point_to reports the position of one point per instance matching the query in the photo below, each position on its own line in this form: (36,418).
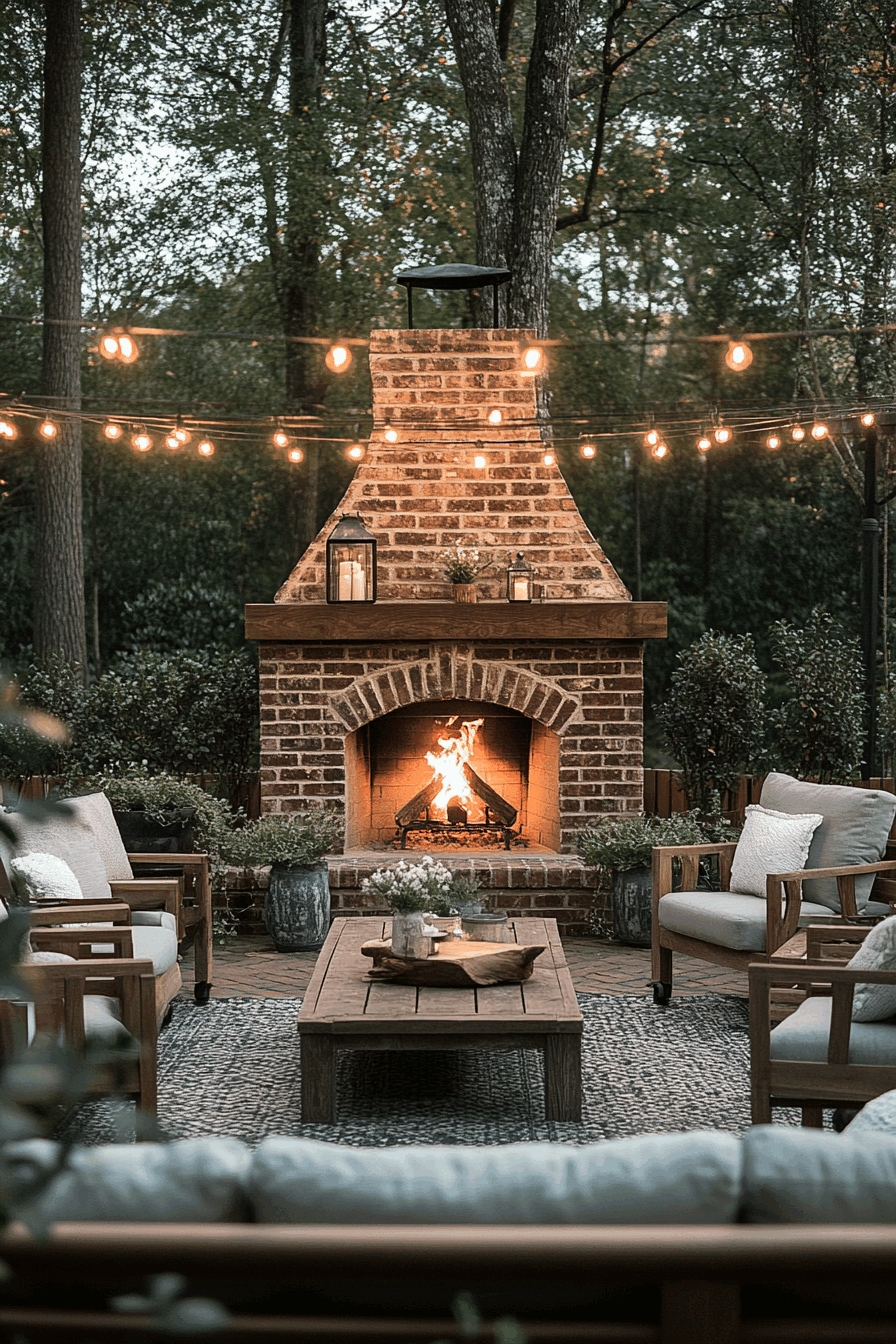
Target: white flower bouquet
(410,887)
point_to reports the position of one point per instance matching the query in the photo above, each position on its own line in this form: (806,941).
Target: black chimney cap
(454,275)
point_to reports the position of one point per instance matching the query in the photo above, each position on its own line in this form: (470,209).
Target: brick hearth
(571,665)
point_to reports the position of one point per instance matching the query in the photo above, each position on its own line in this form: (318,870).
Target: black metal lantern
(351,562)
(520,580)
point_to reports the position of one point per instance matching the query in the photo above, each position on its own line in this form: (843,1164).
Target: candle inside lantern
(520,589)
(352,581)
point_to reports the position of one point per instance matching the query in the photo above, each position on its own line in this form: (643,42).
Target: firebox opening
(453,774)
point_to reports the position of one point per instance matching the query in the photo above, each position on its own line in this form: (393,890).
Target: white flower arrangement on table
(410,887)
(463,564)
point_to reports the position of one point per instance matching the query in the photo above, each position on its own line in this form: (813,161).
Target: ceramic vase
(633,906)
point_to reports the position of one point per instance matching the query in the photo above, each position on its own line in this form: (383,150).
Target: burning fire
(448,767)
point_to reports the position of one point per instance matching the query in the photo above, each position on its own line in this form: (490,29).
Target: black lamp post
(351,562)
(520,580)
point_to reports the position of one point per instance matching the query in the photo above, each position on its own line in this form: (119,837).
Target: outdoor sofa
(779,1234)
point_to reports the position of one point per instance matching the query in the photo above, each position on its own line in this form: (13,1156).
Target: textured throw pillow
(875,1117)
(771,842)
(875,1003)
(44,877)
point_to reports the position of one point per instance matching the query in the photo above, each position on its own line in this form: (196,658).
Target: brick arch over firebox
(452,676)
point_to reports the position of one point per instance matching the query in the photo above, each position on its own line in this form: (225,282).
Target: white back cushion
(67,837)
(771,842)
(96,811)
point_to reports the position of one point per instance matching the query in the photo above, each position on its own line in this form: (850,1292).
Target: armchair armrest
(689,857)
(79,943)
(78,912)
(783,925)
(842,981)
(150,894)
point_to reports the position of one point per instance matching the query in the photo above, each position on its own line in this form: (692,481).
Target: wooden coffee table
(344,1010)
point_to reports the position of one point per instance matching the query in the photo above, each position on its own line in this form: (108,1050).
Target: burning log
(419,803)
(503,810)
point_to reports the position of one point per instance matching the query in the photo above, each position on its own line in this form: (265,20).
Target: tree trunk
(59,615)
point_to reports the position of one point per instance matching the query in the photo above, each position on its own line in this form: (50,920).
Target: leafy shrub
(621,843)
(181,713)
(819,727)
(714,715)
(298,839)
(157,794)
(169,617)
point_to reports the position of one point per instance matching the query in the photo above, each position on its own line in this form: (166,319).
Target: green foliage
(714,714)
(171,617)
(180,713)
(621,843)
(409,887)
(297,839)
(158,794)
(819,726)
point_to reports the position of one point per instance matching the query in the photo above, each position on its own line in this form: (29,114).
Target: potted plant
(297,903)
(410,890)
(623,845)
(159,813)
(462,566)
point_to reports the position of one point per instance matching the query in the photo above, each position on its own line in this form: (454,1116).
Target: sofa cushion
(68,837)
(877,1116)
(158,945)
(770,842)
(875,1003)
(809,1176)
(189,1181)
(804,1036)
(726,918)
(96,811)
(657,1178)
(855,828)
(43,877)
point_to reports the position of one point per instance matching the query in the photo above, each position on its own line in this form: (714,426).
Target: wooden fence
(664,796)
(242,791)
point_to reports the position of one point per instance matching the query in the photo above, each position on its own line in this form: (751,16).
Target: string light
(296,455)
(127,349)
(7,429)
(172,442)
(390,434)
(112,430)
(660,451)
(205,448)
(48,429)
(356,452)
(588,450)
(495,417)
(651,438)
(109,346)
(819,430)
(479,461)
(704,444)
(141,441)
(549,459)
(533,361)
(722,434)
(797,433)
(280,438)
(182,435)
(773,441)
(338,358)
(738,356)
(868,419)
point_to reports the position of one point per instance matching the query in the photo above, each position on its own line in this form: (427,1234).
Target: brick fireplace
(353,696)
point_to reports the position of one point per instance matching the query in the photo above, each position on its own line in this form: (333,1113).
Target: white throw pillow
(771,842)
(875,1003)
(877,1116)
(43,876)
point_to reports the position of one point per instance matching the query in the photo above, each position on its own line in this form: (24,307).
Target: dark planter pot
(142,834)
(632,906)
(297,906)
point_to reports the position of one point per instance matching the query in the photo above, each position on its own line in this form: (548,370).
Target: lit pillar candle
(521,590)
(359,582)
(345,580)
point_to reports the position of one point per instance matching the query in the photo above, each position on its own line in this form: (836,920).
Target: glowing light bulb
(205,448)
(588,450)
(48,429)
(479,461)
(356,452)
(704,444)
(280,438)
(127,349)
(109,346)
(533,360)
(652,438)
(141,441)
(819,430)
(738,356)
(7,429)
(495,417)
(296,455)
(773,441)
(722,434)
(112,430)
(868,419)
(390,434)
(172,442)
(338,358)
(660,451)
(182,435)
(797,433)
(549,459)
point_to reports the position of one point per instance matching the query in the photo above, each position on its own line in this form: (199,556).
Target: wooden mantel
(321,622)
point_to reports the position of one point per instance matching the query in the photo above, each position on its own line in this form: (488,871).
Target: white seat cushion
(726,918)
(158,945)
(96,811)
(804,1036)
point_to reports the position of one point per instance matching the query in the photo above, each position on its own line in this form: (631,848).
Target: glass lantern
(351,562)
(520,580)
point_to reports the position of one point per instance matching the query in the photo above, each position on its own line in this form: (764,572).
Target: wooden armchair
(734,930)
(818,1057)
(194,911)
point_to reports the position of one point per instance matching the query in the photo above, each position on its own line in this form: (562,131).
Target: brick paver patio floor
(249,968)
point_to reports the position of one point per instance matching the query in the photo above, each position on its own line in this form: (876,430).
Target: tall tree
(59,629)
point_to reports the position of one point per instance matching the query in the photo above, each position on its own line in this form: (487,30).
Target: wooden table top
(342,998)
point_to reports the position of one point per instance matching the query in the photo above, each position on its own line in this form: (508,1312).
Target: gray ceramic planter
(632,906)
(297,906)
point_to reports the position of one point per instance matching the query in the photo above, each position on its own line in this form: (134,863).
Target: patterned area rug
(233,1068)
